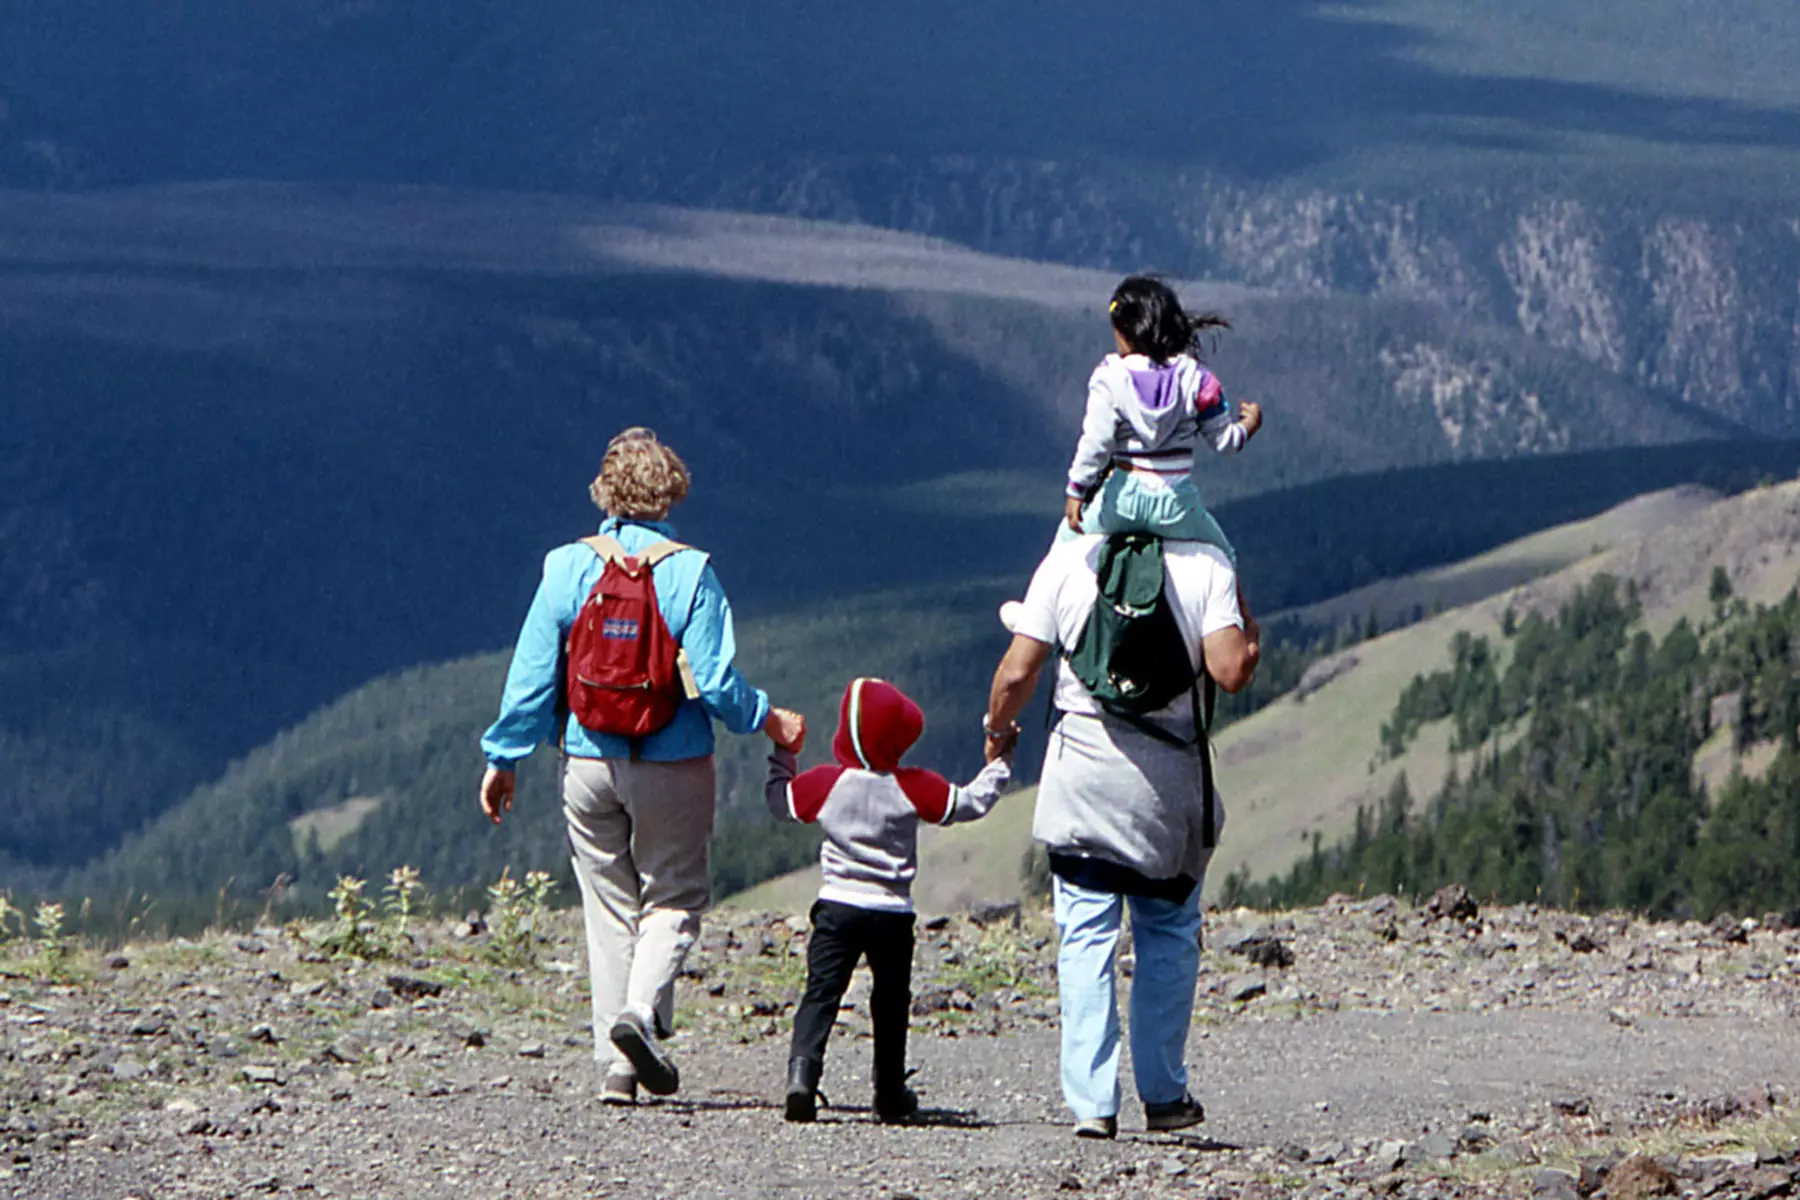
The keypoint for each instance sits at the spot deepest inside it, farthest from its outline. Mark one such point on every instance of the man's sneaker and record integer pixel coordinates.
(1009, 615)
(655, 1069)
(1103, 1128)
(1176, 1114)
(619, 1087)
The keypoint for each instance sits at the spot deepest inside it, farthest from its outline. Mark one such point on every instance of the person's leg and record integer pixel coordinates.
(671, 811)
(832, 949)
(1088, 925)
(1110, 508)
(889, 945)
(1172, 510)
(1166, 939)
(600, 845)
(671, 807)
(831, 953)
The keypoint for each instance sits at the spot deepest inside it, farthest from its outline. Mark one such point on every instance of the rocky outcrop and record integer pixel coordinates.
(1698, 300)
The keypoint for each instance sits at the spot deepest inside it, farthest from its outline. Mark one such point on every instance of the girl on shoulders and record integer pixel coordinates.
(1149, 408)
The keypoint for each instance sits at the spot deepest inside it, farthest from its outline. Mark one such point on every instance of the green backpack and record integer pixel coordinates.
(1132, 656)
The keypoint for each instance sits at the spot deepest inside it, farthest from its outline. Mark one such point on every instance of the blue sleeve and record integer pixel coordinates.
(528, 703)
(711, 644)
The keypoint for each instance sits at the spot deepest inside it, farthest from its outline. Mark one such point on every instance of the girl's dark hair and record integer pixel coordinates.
(1146, 311)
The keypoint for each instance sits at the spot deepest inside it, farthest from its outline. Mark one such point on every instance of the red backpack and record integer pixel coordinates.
(626, 673)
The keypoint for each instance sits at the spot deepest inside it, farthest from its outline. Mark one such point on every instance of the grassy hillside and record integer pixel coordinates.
(1304, 764)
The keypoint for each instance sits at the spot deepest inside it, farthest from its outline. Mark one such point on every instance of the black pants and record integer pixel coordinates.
(842, 934)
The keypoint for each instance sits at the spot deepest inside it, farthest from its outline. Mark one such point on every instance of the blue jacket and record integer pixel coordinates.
(699, 617)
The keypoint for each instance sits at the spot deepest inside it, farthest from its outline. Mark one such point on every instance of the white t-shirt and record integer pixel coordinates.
(1197, 578)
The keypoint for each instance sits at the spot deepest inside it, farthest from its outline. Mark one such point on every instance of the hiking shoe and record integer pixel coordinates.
(655, 1069)
(897, 1109)
(1176, 1114)
(619, 1087)
(1099, 1128)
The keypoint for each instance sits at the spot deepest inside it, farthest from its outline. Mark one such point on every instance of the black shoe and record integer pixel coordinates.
(803, 1089)
(1176, 1114)
(897, 1108)
(656, 1071)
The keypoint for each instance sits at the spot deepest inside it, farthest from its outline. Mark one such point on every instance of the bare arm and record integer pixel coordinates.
(1232, 654)
(1015, 679)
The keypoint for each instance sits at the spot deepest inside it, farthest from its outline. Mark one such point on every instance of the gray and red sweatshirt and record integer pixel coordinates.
(869, 806)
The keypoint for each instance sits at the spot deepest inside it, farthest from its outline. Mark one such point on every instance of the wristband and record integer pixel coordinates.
(994, 735)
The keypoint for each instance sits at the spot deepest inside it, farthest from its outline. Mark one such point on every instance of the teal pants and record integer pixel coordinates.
(1126, 504)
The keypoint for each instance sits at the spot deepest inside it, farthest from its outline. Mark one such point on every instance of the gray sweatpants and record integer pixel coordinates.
(639, 832)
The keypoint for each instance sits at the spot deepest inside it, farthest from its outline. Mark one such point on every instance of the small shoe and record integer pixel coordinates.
(802, 1090)
(1098, 1128)
(897, 1109)
(656, 1071)
(1009, 615)
(1176, 1114)
(619, 1088)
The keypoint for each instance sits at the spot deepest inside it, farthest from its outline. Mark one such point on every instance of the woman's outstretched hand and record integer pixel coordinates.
(786, 728)
(1072, 513)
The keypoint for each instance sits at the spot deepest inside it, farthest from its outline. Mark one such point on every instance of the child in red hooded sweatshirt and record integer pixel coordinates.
(869, 807)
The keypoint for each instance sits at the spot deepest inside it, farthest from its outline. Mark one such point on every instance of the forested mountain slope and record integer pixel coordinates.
(1304, 765)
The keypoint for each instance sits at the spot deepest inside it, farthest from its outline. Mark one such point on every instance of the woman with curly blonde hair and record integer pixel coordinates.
(639, 810)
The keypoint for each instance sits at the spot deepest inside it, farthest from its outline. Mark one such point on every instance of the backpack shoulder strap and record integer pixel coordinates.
(654, 554)
(608, 548)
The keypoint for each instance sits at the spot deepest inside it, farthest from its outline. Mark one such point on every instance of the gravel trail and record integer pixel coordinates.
(204, 1070)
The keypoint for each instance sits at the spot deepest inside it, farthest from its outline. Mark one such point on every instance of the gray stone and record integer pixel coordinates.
(1173, 1167)
(264, 1073)
(1245, 988)
(1390, 1155)
(994, 914)
(115, 962)
(128, 1069)
(1551, 1180)
(532, 1050)
(1572, 1105)
(1451, 903)
(265, 1034)
(1433, 1147)
(250, 946)
(148, 1025)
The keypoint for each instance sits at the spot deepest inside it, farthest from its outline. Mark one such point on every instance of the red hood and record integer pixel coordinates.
(877, 724)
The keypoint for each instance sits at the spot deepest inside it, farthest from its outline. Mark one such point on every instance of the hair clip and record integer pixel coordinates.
(1113, 307)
